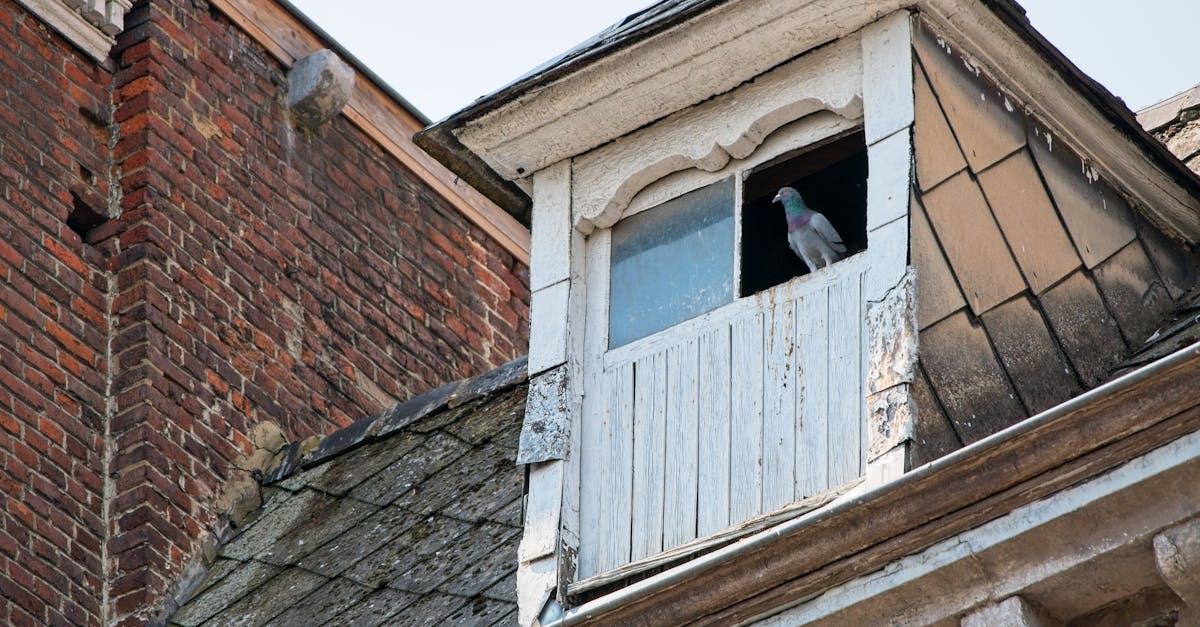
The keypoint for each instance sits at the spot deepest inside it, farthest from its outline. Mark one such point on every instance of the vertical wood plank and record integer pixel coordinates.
(649, 448)
(812, 382)
(714, 426)
(679, 511)
(597, 399)
(745, 463)
(576, 384)
(845, 379)
(779, 405)
(864, 358)
(613, 527)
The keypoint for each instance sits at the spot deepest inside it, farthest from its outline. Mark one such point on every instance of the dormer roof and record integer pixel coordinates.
(678, 53)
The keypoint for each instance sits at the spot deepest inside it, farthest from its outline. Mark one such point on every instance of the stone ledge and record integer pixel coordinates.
(92, 25)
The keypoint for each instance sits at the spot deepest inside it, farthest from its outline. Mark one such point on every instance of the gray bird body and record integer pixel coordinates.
(810, 235)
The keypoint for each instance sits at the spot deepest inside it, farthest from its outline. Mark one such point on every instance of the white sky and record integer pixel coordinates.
(442, 54)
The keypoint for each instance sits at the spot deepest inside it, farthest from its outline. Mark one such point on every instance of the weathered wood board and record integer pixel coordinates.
(1030, 225)
(726, 418)
(973, 243)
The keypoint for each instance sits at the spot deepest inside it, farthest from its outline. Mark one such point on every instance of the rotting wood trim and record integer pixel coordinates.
(1085, 115)
(938, 529)
(713, 541)
(381, 117)
(1060, 447)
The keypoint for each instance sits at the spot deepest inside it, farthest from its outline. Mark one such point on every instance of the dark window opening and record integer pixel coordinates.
(83, 216)
(832, 179)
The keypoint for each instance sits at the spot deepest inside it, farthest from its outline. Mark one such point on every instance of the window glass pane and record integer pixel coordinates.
(671, 263)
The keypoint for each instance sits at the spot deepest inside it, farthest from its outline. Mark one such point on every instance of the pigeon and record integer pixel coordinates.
(810, 234)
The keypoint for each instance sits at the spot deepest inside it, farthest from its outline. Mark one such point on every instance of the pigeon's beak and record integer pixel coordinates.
(778, 197)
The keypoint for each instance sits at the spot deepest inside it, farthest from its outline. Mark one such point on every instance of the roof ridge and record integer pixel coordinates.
(317, 449)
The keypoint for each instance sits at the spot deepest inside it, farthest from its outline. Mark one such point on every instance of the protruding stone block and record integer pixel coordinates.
(545, 433)
(319, 85)
(114, 16)
(1177, 551)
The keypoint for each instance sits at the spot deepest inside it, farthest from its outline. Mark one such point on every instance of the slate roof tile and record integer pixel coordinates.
(483, 565)
(241, 581)
(286, 589)
(435, 453)
(409, 562)
(430, 609)
(382, 606)
(480, 612)
(509, 514)
(362, 463)
(335, 556)
(328, 603)
(408, 517)
(504, 589)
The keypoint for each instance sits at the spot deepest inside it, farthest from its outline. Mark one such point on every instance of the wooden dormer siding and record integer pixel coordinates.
(1035, 275)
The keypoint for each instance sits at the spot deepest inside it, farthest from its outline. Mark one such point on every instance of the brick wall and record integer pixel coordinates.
(255, 273)
(53, 328)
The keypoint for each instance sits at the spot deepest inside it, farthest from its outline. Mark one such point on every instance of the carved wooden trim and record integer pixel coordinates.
(709, 136)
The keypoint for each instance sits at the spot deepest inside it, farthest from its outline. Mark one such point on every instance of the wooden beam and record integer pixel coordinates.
(380, 116)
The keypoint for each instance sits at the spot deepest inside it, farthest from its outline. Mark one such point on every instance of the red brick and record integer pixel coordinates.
(248, 283)
(63, 254)
(70, 342)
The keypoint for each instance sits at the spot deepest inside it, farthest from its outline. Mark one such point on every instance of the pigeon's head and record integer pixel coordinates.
(789, 197)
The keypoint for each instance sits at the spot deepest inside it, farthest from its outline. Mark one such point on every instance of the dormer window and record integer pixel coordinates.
(720, 376)
(705, 373)
(675, 260)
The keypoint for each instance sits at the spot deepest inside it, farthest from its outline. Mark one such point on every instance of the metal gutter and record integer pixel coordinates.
(656, 591)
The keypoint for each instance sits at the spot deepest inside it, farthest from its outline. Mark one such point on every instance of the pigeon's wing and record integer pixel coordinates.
(821, 225)
(800, 240)
(794, 244)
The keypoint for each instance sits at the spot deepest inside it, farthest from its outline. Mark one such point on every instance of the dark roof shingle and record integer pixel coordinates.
(405, 518)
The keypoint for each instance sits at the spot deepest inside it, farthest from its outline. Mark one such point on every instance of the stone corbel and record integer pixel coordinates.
(1177, 553)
